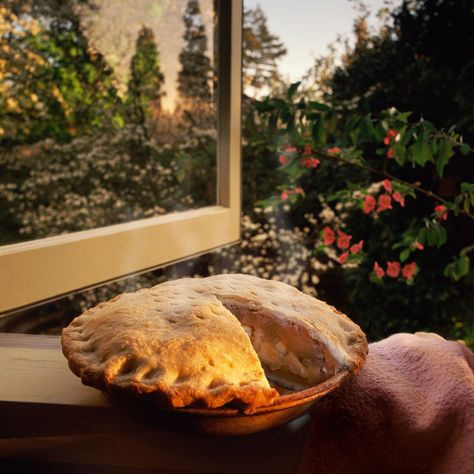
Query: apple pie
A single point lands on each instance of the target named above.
(212, 341)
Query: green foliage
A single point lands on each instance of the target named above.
(261, 51)
(460, 265)
(420, 60)
(195, 75)
(53, 84)
(75, 155)
(370, 156)
(146, 81)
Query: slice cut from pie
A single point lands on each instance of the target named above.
(212, 341)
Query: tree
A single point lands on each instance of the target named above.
(195, 76)
(423, 62)
(146, 81)
(53, 83)
(261, 52)
(391, 244)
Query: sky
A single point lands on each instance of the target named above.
(113, 26)
(308, 27)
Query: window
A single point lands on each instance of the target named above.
(41, 269)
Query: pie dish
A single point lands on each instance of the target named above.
(212, 342)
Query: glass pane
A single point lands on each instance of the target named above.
(107, 112)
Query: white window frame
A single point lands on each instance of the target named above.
(44, 269)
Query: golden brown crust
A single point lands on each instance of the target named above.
(180, 343)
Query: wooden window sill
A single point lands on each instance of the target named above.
(49, 419)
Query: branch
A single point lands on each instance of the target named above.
(385, 174)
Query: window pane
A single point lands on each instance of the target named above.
(107, 112)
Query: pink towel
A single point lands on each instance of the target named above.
(409, 410)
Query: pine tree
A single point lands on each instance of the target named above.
(53, 84)
(261, 51)
(146, 80)
(195, 76)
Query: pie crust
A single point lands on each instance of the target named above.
(212, 341)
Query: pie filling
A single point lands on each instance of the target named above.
(289, 356)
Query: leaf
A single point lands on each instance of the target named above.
(442, 236)
(405, 137)
(404, 116)
(444, 153)
(379, 132)
(404, 254)
(458, 268)
(427, 127)
(180, 175)
(318, 106)
(331, 121)
(280, 104)
(293, 170)
(264, 106)
(431, 236)
(292, 89)
(287, 116)
(399, 153)
(319, 132)
(420, 152)
(301, 105)
(465, 149)
(366, 128)
(466, 250)
(464, 264)
(422, 236)
(119, 120)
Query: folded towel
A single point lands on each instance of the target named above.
(409, 410)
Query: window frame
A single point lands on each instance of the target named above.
(40, 270)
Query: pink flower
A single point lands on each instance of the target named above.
(307, 150)
(379, 271)
(409, 270)
(393, 269)
(334, 151)
(283, 160)
(284, 196)
(387, 184)
(390, 153)
(343, 240)
(343, 257)
(310, 162)
(385, 202)
(390, 136)
(356, 248)
(328, 236)
(369, 204)
(419, 246)
(441, 212)
(298, 191)
(290, 149)
(398, 197)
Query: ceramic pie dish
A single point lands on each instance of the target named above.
(225, 421)
(210, 351)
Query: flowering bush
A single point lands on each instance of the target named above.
(50, 188)
(386, 235)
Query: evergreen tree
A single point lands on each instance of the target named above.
(195, 76)
(424, 62)
(52, 83)
(261, 52)
(146, 80)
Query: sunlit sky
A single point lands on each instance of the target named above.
(307, 27)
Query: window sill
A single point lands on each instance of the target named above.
(49, 417)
